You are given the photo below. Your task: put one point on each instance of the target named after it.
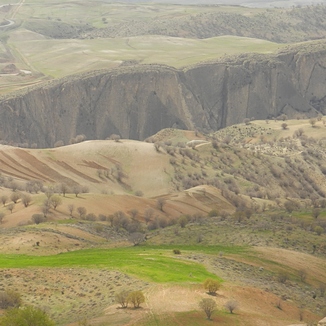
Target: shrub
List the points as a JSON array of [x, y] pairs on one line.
[[136, 298], [26, 316], [38, 218], [212, 286], [10, 299], [282, 277], [213, 213]]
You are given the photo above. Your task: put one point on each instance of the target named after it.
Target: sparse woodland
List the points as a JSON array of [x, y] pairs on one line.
[[125, 199]]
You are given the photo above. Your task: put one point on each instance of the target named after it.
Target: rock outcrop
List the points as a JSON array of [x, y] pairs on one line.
[[138, 101]]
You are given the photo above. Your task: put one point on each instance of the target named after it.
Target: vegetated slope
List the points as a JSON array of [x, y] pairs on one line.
[[277, 25], [224, 193], [138, 101]]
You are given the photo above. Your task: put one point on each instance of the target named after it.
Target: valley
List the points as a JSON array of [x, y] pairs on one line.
[[158, 158]]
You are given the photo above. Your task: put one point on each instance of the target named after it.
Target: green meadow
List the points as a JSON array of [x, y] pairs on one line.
[[157, 264]]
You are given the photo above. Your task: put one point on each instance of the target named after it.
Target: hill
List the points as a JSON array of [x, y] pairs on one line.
[[245, 204]]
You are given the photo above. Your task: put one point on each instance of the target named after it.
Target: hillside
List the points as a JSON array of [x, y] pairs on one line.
[[245, 204]]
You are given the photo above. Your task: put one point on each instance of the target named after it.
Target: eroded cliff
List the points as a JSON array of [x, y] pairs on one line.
[[138, 101]]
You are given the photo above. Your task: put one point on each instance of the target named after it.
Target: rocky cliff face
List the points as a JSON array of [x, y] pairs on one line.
[[138, 101]]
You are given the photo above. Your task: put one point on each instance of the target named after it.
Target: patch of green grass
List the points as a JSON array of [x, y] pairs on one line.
[[153, 264]]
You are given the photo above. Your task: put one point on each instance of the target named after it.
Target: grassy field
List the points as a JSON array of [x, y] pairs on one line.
[[148, 263], [55, 57]]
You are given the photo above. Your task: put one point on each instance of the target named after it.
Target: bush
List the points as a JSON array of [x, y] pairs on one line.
[[10, 299], [213, 213], [282, 277], [136, 298], [26, 316], [38, 218], [212, 286]]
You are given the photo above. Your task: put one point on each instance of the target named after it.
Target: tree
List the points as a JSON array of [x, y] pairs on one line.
[[322, 289], [76, 190], [160, 202], [232, 305], [313, 121], [136, 298], [38, 218], [71, 209], [284, 126], [136, 238], [55, 201], [208, 305], [122, 298], [302, 274], [26, 316], [2, 215], [4, 199], [148, 214], [212, 286], [49, 193], [315, 212], [115, 137], [11, 207], [81, 211], [64, 189], [15, 196], [26, 199]]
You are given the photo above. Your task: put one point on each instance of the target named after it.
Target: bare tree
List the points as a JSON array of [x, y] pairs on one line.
[[148, 214], [49, 193], [136, 238], [76, 190], [11, 207], [38, 218], [302, 274], [232, 305], [55, 201], [15, 196], [133, 213], [322, 289], [122, 298], [81, 211], [64, 189], [71, 208], [26, 199], [4, 199], [160, 202], [208, 305]]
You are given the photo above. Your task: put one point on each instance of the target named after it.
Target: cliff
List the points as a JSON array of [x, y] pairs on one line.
[[138, 101]]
